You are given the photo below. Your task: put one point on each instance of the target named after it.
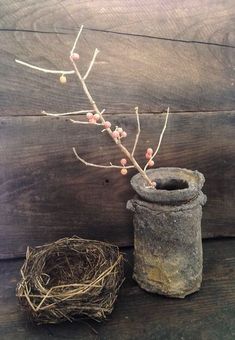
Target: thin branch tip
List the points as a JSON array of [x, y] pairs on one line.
[[138, 130], [91, 63], [76, 40], [160, 139]]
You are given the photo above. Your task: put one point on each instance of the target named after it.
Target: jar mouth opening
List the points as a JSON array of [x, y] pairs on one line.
[[171, 184]]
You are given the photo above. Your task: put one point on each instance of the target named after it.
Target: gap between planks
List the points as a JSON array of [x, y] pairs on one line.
[[127, 113], [123, 248], [136, 35]]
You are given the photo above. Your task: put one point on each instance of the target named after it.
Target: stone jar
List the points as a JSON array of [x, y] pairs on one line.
[[167, 231]]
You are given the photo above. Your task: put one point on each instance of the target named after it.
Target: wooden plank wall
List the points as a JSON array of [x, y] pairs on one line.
[[154, 54]]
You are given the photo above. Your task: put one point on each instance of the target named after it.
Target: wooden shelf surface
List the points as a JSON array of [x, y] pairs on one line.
[[207, 314]]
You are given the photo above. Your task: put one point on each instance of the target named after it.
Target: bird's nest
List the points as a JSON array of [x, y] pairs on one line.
[[69, 278]]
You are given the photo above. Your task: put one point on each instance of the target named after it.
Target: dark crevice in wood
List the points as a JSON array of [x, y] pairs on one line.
[[184, 41], [218, 239], [129, 248], [126, 113], [163, 38], [31, 31]]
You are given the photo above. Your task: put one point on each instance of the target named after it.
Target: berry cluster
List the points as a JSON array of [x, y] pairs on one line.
[[148, 155], [123, 162], [93, 118], [119, 133]]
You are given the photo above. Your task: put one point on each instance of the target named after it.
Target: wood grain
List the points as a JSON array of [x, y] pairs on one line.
[[153, 54], [208, 314], [47, 194]]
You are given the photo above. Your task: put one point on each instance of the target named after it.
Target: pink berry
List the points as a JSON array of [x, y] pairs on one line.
[[107, 125], [97, 116], [151, 163], [92, 121], [150, 151], [89, 115], [124, 134], [75, 56], [148, 156], [154, 184], [124, 171], [123, 161], [115, 134]]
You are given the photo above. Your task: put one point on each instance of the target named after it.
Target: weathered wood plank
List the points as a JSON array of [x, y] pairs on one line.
[[208, 314], [45, 193], [165, 57], [207, 21]]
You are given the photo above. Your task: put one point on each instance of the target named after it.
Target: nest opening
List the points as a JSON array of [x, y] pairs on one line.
[[69, 278], [63, 269]]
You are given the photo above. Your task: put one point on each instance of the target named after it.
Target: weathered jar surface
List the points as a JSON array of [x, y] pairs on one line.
[[167, 231]]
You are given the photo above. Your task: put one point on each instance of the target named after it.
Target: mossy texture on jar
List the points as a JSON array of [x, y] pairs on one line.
[[167, 231]]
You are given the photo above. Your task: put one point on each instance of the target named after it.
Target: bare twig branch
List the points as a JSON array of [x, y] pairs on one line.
[[160, 138], [73, 113], [117, 141], [138, 130], [91, 100], [76, 40], [91, 64], [98, 165], [95, 109], [82, 122], [44, 69], [66, 113]]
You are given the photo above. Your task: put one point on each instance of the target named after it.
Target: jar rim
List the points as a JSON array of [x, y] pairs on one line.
[[176, 185]]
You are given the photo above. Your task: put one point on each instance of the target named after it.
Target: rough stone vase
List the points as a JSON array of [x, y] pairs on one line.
[[167, 231]]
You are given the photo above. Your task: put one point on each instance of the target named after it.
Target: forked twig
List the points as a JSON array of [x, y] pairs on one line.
[[110, 132], [160, 139], [97, 119]]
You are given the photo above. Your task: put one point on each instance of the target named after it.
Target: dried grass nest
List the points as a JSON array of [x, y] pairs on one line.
[[68, 278]]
